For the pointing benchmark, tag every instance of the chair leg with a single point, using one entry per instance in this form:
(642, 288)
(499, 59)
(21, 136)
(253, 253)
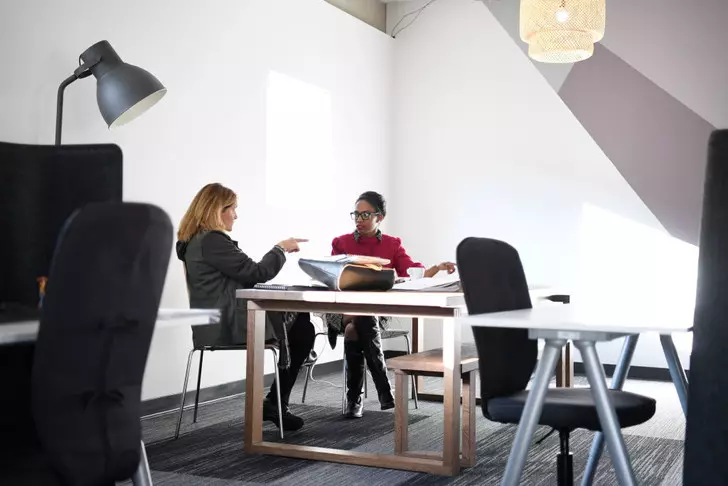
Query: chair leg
(197, 393)
(278, 390)
(184, 393)
(468, 427)
(366, 394)
(564, 465)
(142, 476)
(305, 383)
(343, 389)
(414, 377)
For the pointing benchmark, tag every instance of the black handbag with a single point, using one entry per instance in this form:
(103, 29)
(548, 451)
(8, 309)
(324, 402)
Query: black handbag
(350, 272)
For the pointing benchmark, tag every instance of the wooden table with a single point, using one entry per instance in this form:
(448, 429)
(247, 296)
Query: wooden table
(442, 305)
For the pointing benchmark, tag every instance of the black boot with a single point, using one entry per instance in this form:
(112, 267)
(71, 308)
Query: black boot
(301, 336)
(290, 422)
(378, 369)
(354, 378)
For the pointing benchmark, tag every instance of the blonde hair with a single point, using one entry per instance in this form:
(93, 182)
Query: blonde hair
(204, 214)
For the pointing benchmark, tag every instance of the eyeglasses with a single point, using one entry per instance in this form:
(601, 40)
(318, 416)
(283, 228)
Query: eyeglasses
(364, 215)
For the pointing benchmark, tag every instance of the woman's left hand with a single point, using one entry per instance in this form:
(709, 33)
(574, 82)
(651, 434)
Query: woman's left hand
(446, 266)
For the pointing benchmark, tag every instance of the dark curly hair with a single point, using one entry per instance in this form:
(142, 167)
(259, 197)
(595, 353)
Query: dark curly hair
(376, 200)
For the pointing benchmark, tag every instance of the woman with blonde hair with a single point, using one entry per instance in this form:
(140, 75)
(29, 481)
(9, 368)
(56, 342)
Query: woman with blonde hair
(215, 267)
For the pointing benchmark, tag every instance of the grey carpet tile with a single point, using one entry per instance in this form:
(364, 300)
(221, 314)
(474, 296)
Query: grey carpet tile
(210, 451)
(161, 478)
(217, 449)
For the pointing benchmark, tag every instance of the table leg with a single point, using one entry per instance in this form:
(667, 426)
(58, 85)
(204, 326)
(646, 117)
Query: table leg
(417, 380)
(254, 379)
(532, 412)
(469, 414)
(618, 379)
(401, 412)
(565, 368)
(451, 344)
(677, 372)
(607, 414)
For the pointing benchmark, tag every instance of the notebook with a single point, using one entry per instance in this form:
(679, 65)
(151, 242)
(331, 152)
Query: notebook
(284, 287)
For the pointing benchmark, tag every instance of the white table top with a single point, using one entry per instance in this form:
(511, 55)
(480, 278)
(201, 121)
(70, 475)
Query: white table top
(27, 331)
(607, 318)
(392, 297)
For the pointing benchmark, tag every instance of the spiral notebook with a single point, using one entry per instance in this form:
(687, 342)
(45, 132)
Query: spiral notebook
(284, 287)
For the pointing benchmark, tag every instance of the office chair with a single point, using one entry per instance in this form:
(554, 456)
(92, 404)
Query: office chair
(310, 363)
(98, 317)
(705, 433)
(386, 334)
(205, 338)
(202, 343)
(493, 281)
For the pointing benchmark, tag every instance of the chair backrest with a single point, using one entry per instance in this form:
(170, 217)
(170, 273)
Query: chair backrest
(99, 312)
(707, 422)
(493, 281)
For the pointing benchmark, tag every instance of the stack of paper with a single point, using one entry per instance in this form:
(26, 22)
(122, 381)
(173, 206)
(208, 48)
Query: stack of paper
(359, 259)
(451, 283)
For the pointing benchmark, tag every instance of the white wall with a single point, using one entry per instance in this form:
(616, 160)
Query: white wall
(215, 59)
(484, 147)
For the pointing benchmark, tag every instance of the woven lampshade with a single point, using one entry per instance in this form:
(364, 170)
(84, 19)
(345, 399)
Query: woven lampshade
(562, 31)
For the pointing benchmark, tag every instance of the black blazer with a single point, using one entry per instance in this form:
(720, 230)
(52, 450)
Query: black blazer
(216, 268)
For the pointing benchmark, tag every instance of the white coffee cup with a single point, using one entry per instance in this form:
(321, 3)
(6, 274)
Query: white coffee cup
(416, 272)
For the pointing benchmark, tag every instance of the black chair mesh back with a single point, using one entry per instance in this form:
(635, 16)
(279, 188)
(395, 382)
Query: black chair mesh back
(706, 447)
(99, 312)
(493, 281)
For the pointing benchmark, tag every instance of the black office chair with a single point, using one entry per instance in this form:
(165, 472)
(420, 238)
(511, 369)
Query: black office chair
(99, 313)
(493, 281)
(706, 446)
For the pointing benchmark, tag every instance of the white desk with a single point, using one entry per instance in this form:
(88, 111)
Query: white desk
(444, 305)
(585, 326)
(27, 331)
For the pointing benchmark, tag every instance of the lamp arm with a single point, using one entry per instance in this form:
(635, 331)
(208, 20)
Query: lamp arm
(59, 105)
(81, 72)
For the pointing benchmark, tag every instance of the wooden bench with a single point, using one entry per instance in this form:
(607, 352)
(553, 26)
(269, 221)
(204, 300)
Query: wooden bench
(429, 363)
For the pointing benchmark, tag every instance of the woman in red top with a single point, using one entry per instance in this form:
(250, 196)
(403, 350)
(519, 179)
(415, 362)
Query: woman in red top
(362, 334)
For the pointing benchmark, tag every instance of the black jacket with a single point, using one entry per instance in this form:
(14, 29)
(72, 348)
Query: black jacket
(215, 268)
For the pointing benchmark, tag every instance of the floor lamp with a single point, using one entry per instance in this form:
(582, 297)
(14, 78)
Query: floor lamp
(123, 91)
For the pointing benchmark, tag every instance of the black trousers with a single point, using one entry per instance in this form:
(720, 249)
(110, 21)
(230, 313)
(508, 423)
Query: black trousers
(300, 342)
(367, 347)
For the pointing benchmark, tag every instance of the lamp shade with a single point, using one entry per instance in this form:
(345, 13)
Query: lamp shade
(123, 91)
(562, 31)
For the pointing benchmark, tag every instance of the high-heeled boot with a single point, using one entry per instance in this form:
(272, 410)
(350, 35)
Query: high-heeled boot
(378, 368)
(354, 357)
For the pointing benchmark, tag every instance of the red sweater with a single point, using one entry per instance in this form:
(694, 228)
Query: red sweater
(388, 247)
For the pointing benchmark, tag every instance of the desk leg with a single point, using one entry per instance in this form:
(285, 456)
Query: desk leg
(532, 412)
(677, 372)
(416, 347)
(620, 375)
(451, 344)
(254, 379)
(565, 368)
(607, 414)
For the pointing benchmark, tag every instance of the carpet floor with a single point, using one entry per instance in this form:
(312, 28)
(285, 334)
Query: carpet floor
(210, 452)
